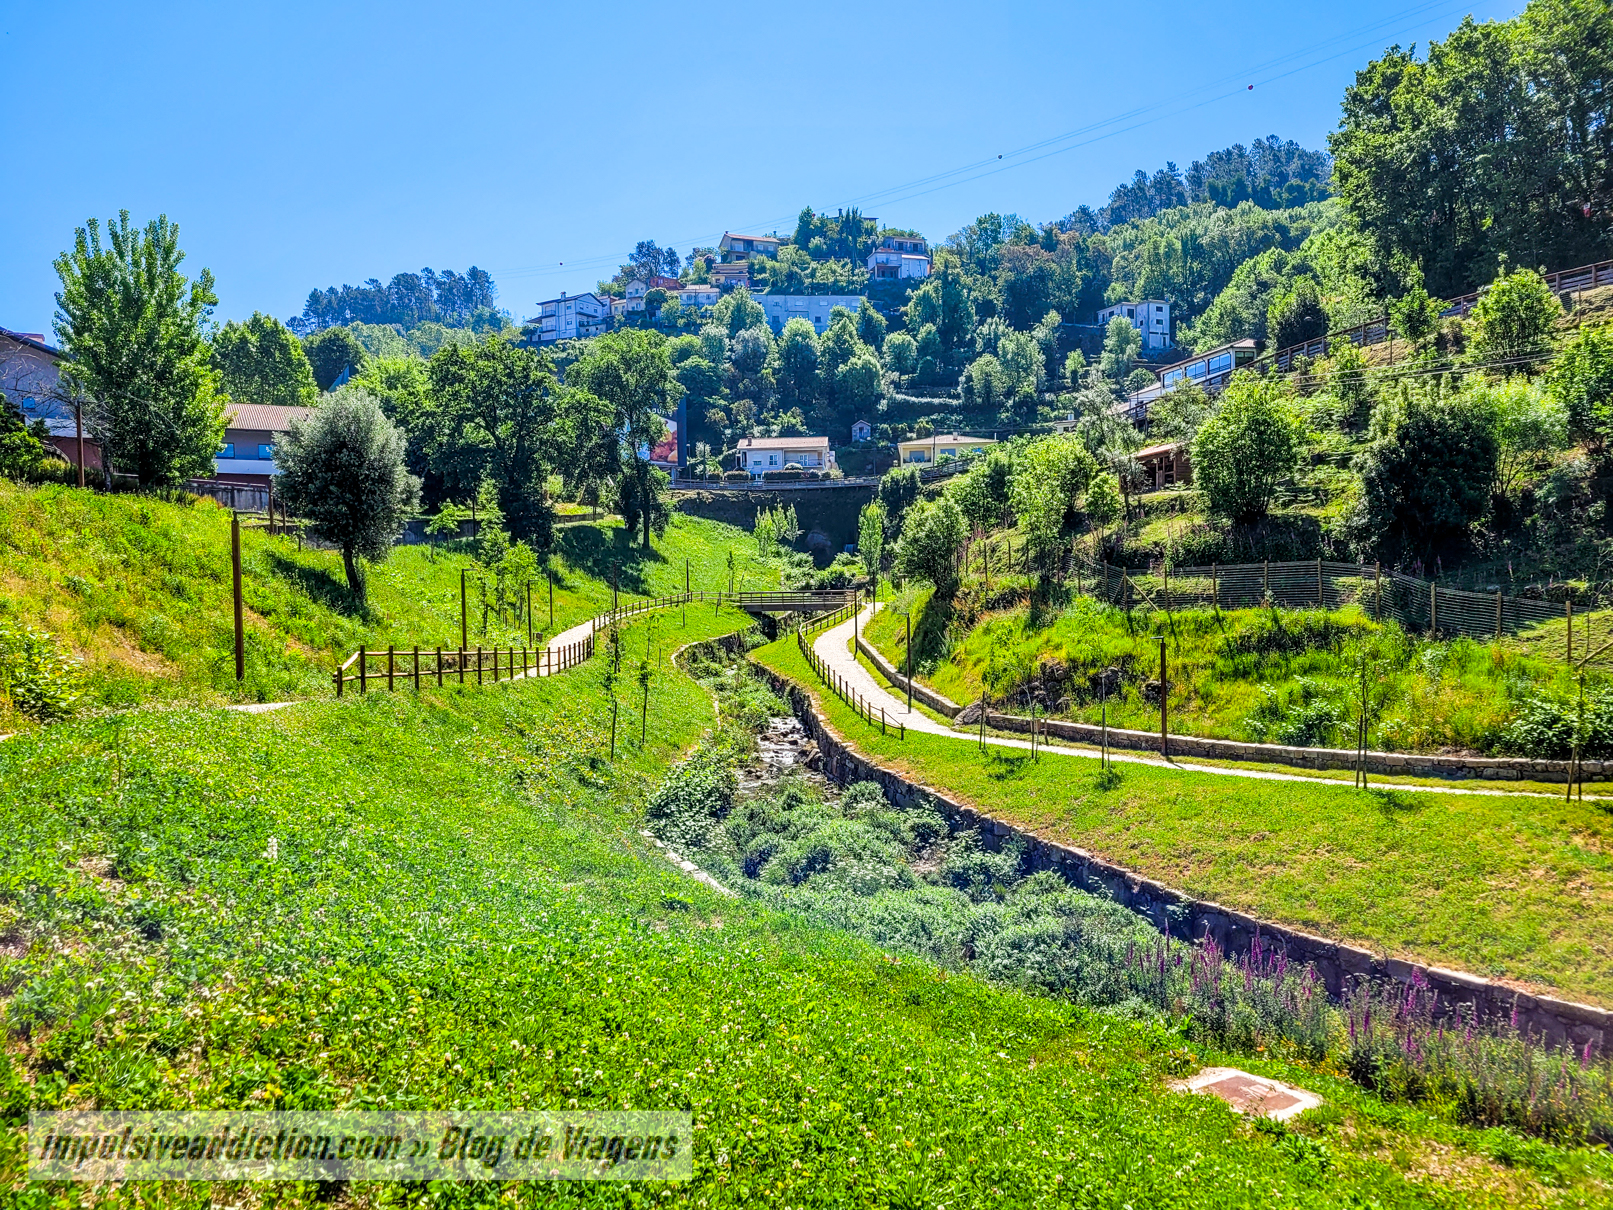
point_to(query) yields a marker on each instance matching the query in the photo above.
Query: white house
(814, 308)
(939, 445)
(703, 294)
(573, 317)
(758, 455)
(861, 430)
(898, 256)
(743, 247)
(1151, 317)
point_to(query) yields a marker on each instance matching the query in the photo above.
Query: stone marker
(1250, 1094)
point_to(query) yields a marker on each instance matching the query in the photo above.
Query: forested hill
(409, 299)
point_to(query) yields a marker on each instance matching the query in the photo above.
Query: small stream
(782, 746)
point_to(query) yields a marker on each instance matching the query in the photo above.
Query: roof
(783, 443)
(572, 298)
(855, 423)
(267, 417)
(765, 239)
(947, 439)
(1246, 343)
(1157, 451)
(699, 285)
(33, 340)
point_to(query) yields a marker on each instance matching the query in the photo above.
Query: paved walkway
(833, 647)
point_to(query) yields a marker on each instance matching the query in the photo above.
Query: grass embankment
(1516, 888)
(1267, 676)
(140, 590)
(459, 912)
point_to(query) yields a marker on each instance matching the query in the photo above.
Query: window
(772, 460)
(265, 452)
(30, 403)
(1220, 362)
(227, 450)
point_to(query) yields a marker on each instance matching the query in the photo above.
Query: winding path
(833, 647)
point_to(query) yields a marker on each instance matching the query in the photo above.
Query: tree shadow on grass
(1006, 764)
(320, 585)
(597, 551)
(1392, 803)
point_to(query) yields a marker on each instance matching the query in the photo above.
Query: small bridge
(805, 600)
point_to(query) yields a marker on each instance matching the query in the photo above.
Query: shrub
(736, 477)
(1544, 728)
(37, 677)
(1248, 447)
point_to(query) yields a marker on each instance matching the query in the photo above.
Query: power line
(1019, 157)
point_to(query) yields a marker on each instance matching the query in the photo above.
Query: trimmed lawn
(1515, 888)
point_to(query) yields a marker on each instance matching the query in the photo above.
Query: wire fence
(1417, 605)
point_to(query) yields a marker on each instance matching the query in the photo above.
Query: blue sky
(302, 145)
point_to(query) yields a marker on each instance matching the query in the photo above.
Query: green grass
(1514, 887)
(1245, 674)
(140, 590)
(461, 913)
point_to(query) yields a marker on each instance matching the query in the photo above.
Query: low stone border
(1189, 919)
(1384, 764)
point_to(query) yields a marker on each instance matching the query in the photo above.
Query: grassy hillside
(1279, 676)
(1510, 887)
(456, 909)
(140, 590)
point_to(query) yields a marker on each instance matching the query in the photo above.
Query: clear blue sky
(306, 145)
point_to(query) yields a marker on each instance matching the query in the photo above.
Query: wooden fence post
(461, 664)
(391, 664)
(1433, 607)
(235, 558)
(1377, 591)
(1321, 600)
(1568, 613)
(439, 665)
(363, 676)
(1497, 615)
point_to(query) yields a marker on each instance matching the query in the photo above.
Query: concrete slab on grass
(1251, 1094)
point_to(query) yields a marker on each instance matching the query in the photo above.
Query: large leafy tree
(797, 373)
(630, 372)
(331, 351)
(131, 324)
(1500, 141)
(342, 469)
(1428, 472)
(931, 535)
(262, 361)
(1050, 477)
(1246, 448)
(492, 408)
(1512, 320)
(402, 385)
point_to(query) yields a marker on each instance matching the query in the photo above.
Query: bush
(1544, 728)
(783, 476)
(37, 678)
(736, 477)
(1249, 446)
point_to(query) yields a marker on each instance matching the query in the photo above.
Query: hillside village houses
(30, 375)
(573, 317)
(758, 455)
(1151, 317)
(899, 256)
(936, 446)
(814, 308)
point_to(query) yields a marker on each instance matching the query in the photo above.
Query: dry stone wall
(1188, 919)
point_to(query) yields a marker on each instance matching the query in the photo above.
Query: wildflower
(272, 853)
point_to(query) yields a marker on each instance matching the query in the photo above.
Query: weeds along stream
(749, 808)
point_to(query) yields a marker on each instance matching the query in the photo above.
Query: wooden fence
(414, 666)
(838, 684)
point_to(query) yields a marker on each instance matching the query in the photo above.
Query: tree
(1075, 366)
(870, 325)
(1050, 477)
(901, 353)
(1496, 142)
(21, 444)
(871, 537)
(932, 532)
(859, 385)
(1104, 503)
(1512, 320)
(1528, 423)
(403, 387)
(735, 312)
(1581, 379)
(631, 373)
(492, 410)
(984, 493)
(1178, 414)
(797, 355)
(330, 352)
(1427, 473)
(1121, 344)
(342, 469)
(988, 383)
(1297, 317)
(898, 489)
(749, 350)
(1022, 361)
(261, 361)
(1414, 314)
(131, 325)
(1249, 446)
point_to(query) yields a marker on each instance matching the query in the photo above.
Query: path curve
(833, 647)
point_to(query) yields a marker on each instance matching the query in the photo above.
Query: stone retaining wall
(1189, 919)
(1383, 764)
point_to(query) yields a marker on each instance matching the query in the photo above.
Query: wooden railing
(414, 666)
(838, 684)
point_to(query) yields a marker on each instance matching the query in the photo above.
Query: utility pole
(235, 558)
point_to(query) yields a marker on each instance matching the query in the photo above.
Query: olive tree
(342, 469)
